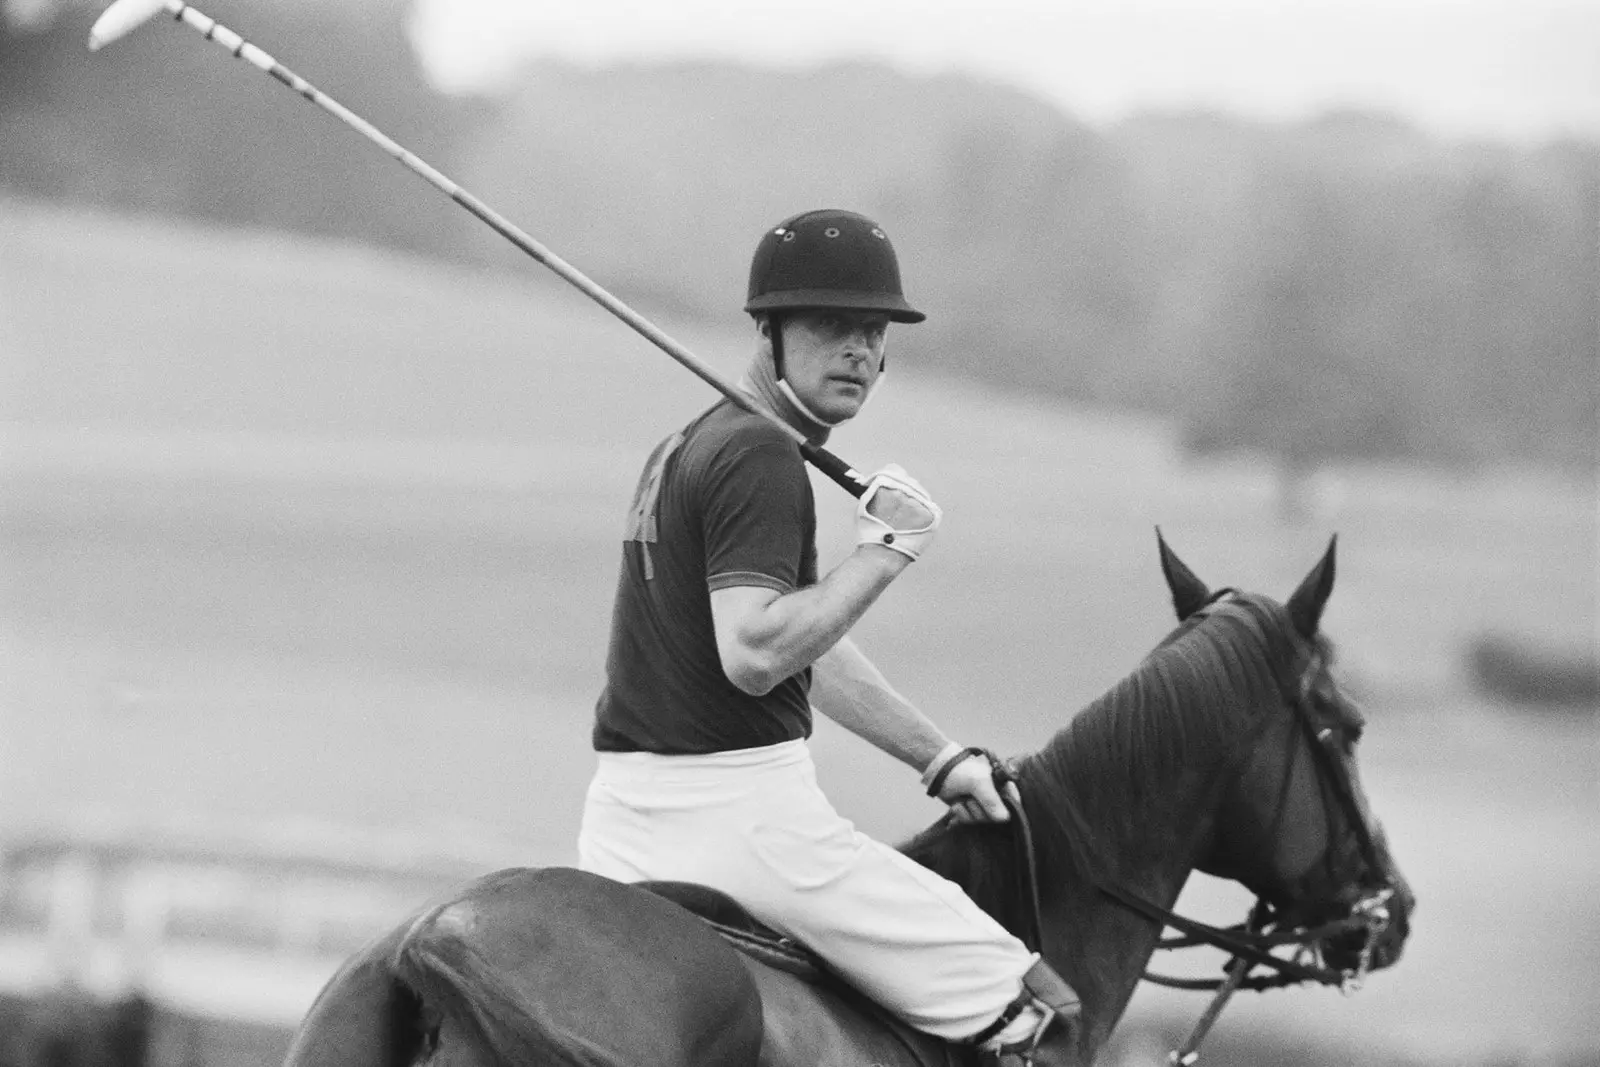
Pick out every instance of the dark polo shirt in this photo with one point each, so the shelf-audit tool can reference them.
(725, 502)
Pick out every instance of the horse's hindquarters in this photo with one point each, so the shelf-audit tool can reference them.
(629, 977)
(553, 967)
(361, 1018)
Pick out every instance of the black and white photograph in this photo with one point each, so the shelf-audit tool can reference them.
(800, 533)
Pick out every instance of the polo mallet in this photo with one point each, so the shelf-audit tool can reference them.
(123, 16)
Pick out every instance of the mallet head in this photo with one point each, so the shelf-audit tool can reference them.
(123, 17)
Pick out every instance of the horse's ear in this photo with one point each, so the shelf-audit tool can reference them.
(1306, 603)
(1189, 594)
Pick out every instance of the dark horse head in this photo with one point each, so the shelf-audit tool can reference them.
(1294, 825)
(1230, 749)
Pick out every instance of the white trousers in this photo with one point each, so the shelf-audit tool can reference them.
(753, 824)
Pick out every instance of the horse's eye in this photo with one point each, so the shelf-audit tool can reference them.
(1347, 736)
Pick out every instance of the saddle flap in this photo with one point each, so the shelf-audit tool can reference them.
(742, 930)
(858, 1021)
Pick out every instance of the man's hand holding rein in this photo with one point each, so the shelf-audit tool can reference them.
(897, 513)
(964, 779)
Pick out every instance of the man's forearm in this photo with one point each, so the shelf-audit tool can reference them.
(793, 630)
(847, 688)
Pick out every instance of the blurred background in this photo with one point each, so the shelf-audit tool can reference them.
(311, 488)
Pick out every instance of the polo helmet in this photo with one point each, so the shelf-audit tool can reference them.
(827, 259)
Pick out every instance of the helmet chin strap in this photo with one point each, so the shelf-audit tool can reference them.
(800, 405)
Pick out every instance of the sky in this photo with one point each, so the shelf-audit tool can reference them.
(1512, 69)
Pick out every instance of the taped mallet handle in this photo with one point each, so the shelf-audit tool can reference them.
(124, 16)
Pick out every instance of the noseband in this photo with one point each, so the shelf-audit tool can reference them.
(1250, 943)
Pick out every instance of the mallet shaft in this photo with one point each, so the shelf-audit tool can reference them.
(832, 466)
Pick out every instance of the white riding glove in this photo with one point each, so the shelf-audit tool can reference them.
(904, 518)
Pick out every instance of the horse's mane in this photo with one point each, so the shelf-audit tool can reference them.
(1093, 791)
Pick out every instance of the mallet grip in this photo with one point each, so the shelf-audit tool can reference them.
(835, 468)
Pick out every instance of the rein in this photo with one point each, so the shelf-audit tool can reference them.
(1250, 943)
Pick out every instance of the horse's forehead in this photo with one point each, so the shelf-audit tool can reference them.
(1311, 658)
(1252, 607)
(1308, 670)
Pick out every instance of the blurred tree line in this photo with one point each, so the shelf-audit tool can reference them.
(1343, 287)
(164, 122)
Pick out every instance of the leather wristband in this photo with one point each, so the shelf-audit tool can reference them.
(936, 764)
(936, 782)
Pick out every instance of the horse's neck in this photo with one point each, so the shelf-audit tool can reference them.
(1102, 947)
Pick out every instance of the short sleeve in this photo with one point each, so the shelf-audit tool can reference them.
(757, 514)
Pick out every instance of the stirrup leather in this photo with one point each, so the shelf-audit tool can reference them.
(1056, 1002)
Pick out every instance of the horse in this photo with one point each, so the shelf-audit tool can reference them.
(1230, 749)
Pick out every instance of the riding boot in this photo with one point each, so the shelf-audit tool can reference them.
(1046, 1011)
(1034, 1029)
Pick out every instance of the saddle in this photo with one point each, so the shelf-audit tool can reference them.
(894, 1041)
(744, 931)
(762, 943)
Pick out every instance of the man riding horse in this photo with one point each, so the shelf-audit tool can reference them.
(724, 637)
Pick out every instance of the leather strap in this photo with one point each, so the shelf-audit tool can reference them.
(1041, 986)
(936, 783)
(1003, 1020)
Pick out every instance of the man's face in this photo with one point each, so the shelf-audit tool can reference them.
(832, 358)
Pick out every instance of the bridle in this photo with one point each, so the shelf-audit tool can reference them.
(1250, 944)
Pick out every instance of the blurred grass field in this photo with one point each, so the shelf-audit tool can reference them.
(295, 530)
